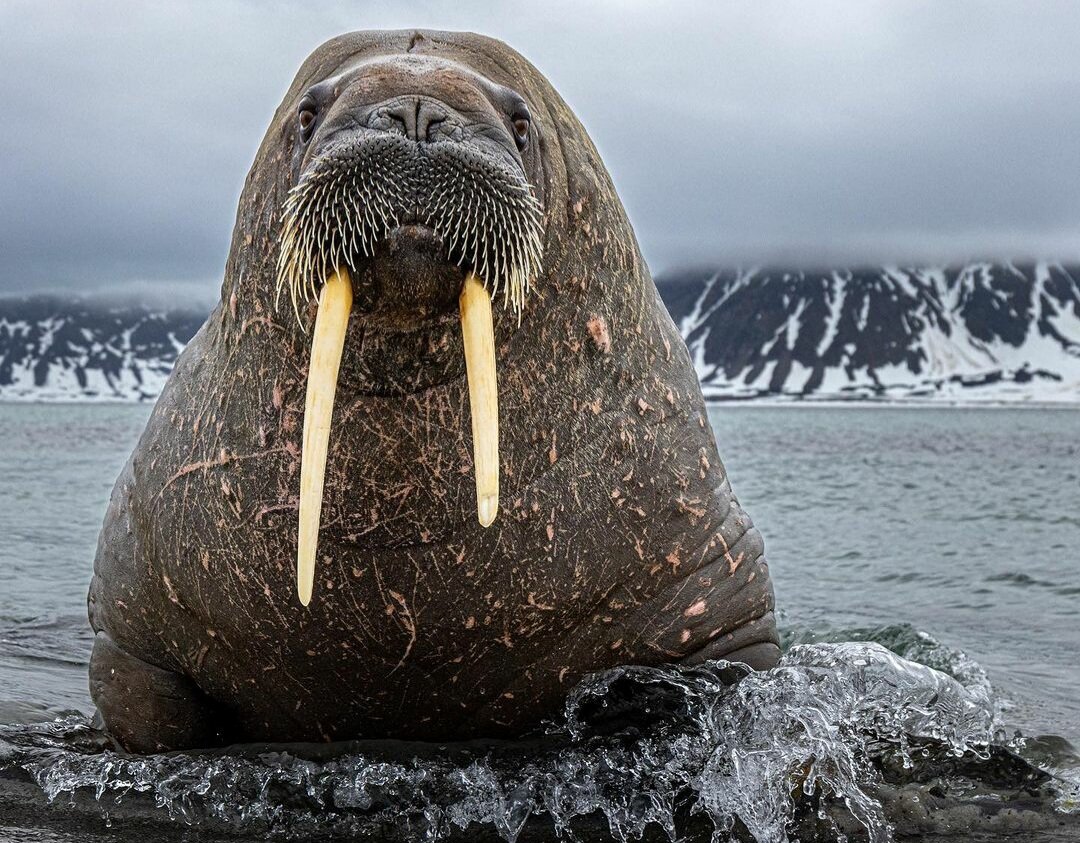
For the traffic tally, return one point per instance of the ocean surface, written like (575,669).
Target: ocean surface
(940,530)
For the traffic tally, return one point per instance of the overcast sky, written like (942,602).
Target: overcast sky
(735,131)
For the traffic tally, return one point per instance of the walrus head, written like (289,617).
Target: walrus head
(406,181)
(407,187)
(410,181)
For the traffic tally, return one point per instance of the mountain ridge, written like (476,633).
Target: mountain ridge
(973,332)
(58,348)
(978,332)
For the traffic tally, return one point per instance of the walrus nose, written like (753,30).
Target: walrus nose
(415,117)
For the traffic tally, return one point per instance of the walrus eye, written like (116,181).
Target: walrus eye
(521,124)
(306,118)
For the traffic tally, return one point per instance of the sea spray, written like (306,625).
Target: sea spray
(796,751)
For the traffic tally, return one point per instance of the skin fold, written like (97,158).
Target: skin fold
(618,539)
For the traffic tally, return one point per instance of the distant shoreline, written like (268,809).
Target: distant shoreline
(876,404)
(980,334)
(711,403)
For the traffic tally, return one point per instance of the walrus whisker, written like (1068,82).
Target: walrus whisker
(354,194)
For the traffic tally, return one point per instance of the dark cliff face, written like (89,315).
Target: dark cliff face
(973,332)
(1002,332)
(54,348)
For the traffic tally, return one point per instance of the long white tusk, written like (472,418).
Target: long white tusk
(335,303)
(478,333)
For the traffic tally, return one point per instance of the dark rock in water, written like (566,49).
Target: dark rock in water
(844,738)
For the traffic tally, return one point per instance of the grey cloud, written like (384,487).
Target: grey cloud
(735,131)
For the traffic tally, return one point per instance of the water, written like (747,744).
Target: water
(961,522)
(904,527)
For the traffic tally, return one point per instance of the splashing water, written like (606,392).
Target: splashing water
(822,746)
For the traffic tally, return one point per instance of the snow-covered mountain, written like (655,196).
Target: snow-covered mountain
(974,333)
(70,349)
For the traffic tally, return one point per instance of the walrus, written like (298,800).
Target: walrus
(369,503)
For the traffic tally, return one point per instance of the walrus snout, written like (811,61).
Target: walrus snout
(410,217)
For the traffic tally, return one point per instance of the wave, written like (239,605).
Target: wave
(842,738)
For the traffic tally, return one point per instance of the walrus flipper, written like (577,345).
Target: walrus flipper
(144,700)
(149,709)
(761,655)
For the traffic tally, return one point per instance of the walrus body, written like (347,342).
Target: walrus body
(618,539)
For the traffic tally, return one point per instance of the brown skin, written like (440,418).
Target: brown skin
(618,539)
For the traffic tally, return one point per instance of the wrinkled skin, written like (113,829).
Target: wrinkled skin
(618,539)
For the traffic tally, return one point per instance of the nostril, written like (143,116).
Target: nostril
(391,118)
(416,118)
(429,118)
(396,121)
(433,129)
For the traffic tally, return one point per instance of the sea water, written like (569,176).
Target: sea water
(927,575)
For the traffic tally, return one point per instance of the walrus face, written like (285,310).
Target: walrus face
(411,191)
(411,175)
